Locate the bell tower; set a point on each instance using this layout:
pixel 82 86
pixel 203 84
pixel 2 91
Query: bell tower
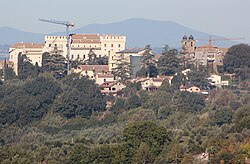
pixel 188 44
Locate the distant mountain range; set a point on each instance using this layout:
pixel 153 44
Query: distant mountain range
pixel 139 32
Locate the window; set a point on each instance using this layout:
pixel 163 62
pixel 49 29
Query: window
pixel 100 56
pixel 78 56
pixel 49 45
pixel 84 56
pixel 105 45
pixel 104 80
pixel 112 45
pixel 113 89
pixel 72 56
pixel 119 45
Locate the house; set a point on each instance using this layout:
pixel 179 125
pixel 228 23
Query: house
pixel 103 78
pixel 111 88
pixel 215 80
pixel 92 70
pixel 153 84
pixel 190 88
pixel 33 51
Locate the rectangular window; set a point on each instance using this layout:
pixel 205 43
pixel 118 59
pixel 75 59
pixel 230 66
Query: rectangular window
pixel 119 45
pixel 105 45
pixel 78 56
pixel 72 56
pixel 112 45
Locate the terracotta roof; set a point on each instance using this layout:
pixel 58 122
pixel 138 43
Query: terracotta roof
pixel 105 75
pixel 97 68
pixel 86 36
pixel 158 79
pixel 89 41
pixel 108 84
pixel 27 45
pixel 157 57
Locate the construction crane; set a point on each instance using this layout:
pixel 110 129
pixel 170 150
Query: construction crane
pixel 68 25
pixel 210 40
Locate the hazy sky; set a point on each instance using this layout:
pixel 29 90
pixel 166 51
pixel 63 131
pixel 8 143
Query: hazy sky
pixel 229 18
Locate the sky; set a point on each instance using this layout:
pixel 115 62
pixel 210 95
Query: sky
pixel 228 18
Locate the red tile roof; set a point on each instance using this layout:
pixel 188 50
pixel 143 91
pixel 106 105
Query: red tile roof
pixel 27 45
pixel 97 68
pixel 105 75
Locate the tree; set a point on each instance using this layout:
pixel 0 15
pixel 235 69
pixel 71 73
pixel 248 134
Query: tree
pixel 143 154
pixel 199 79
pixel 118 105
pixel 81 97
pixel 237 60
pixel 188 102
pixel 147 132
pixel 148 65
pixel 28 102
pixel 123 70
pixel 55 64
pixel 26 68
pixel 168 63
pixel 133 102
pixel 222 116
pixel 9 74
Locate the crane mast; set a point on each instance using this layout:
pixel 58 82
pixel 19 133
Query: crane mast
pixel 68 25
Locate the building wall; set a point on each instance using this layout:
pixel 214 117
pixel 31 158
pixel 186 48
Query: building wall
pixel 32 51
pixel 101 46
pixel 114 43
pixel 102 79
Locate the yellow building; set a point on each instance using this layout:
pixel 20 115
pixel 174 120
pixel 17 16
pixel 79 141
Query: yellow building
pixel 80 46
pixel 33 51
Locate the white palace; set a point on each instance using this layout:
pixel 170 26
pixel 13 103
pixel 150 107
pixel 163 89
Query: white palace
pixel 80 46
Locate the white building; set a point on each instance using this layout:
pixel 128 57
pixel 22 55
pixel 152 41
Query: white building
pixel 33 51
pixel 81 44
pixel 215 80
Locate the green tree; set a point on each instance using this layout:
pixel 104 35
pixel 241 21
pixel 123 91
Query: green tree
pixel 29 103
pixel 222 116
pixel 188 102
pixel 132 102
pixel 9 74
pixel 237 60
pixel 147 132
pixel 118 105
pixel 26 68
pixel 199 79
pixel 55 64
pixel 81 97
pixel 168 63
pixel 123 70
pixel 143 154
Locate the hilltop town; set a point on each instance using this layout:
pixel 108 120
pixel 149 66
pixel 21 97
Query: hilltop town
pixel 95 100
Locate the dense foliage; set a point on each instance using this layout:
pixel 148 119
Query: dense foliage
pixel 46 119
pixel 237 60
